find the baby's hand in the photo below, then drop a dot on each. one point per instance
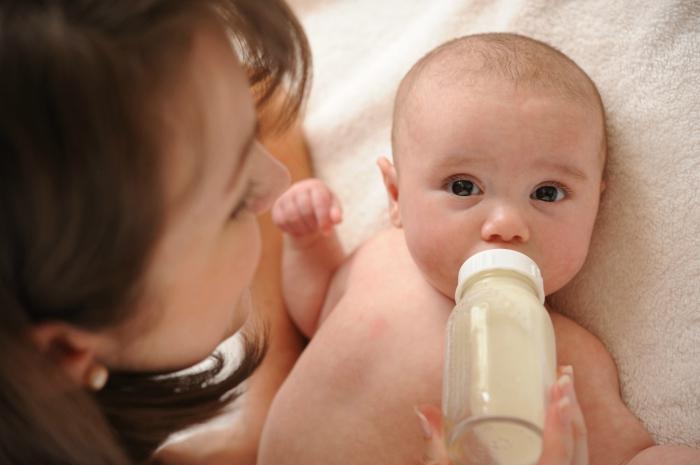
(306, 208)
(565, 438)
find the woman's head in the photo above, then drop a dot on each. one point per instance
(129, 180)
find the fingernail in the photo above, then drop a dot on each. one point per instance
(564, 410)
(567, 369)
(566, 385)
(424, 424)
(336, 214)
(564, 382)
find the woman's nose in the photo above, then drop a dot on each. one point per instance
(271, 177)
(505, 223)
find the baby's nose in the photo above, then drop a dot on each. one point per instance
(505, 223)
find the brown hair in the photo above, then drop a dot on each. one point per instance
(81, 206)
(499, 55)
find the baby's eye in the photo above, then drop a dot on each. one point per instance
(549, 193)
(463, 187)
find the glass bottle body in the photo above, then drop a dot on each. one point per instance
(500, 363)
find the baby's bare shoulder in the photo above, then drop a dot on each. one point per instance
(381, 270)
(381, 281)
(578, 347)
(378, 353)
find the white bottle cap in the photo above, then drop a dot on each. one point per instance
(500, 259)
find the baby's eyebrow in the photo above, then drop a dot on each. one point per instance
(564, 169)
(243, 156)
(460, 159)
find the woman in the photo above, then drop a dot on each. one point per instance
(129, 184)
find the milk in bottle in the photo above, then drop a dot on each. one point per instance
(500, 362)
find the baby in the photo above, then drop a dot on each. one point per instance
(499, 142)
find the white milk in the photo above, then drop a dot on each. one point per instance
(500, 362)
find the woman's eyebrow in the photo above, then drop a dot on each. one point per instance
(243, 156)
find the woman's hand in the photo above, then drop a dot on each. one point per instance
(565, 437)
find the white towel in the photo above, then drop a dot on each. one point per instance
(640, 289)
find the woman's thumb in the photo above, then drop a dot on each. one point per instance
(431, 422)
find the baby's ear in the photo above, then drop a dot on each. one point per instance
(392, 189)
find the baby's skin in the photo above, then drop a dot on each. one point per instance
(376, 354)
(498, 141)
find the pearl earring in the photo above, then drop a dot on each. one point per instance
(97, 377)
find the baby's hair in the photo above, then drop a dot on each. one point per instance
(82, 205)
(511, 57)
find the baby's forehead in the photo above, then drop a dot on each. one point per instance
(477, 60)
(454, 112)
(465, 79)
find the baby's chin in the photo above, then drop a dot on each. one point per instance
(445, 286)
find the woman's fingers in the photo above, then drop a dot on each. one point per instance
(577, 421)
(430, 420)
(565, 439)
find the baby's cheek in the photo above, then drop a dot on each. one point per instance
(561, 271)
(434, 259)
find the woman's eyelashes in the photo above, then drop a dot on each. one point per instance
(550, 192)
(245, 200)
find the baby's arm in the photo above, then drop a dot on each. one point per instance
(676, 455)
(307, 212)
(616, 436)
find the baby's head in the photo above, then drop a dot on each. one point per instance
(499, 142)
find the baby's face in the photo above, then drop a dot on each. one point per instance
(499, 168)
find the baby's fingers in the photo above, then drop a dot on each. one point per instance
(306, 208)
(286, 215)
(304, 205)
(326, 208)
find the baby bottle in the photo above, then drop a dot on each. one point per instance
(500, 362)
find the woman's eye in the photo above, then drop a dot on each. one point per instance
(463, 188)
(548, 193)
(240, 208)
(245, 201)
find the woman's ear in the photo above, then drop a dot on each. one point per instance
(72, 350)
(391, 184)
